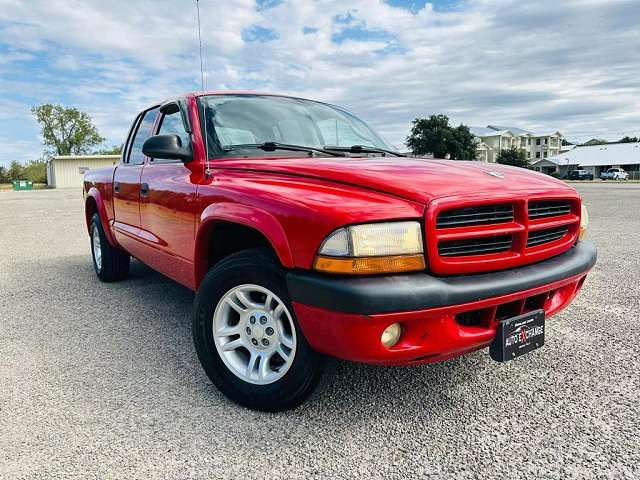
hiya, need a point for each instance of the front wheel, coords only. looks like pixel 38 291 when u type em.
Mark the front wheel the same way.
pixel 247 337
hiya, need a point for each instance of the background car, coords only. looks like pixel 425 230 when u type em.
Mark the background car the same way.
pixel 614 174
pixel 580 175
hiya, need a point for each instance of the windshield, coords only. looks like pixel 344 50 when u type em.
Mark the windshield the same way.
pixel 256 119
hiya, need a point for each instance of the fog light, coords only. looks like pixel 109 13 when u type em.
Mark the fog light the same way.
pixel 391 335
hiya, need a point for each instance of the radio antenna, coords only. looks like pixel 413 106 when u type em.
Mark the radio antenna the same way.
pixel 200 42
pixel 204 108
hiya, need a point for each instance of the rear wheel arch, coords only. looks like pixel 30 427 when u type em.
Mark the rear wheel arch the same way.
pixel 94 205
pixel 90 208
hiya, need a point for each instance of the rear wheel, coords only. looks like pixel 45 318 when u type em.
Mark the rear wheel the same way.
pixel 110 263
pixel 247 337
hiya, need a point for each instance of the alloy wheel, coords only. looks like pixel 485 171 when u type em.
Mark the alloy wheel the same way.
pixel 97 249
pixel 254 334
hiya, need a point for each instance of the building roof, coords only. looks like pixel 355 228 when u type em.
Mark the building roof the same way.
pixel 495 130
pixel 546 134
pixel 599 155
pixel 514 130
pixel 488 132
pixel 482 131
pixel 86 157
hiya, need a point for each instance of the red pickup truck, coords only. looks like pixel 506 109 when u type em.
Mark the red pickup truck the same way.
pixel 305 235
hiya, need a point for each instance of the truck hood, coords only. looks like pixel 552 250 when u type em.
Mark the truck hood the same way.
pixel 416 179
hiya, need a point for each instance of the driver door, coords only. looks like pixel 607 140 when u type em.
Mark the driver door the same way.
pixel 167 199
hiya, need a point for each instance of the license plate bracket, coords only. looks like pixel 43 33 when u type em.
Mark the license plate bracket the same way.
pixel 518 335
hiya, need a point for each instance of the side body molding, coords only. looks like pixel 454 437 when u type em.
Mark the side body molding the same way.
pixel 255 218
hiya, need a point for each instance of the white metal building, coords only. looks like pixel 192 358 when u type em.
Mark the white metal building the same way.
pixel 68 171
pixel 595 158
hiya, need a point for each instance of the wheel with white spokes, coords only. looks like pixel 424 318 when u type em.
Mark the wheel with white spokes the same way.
pixel 254 334
pixel 97 248
pixel 109 262
pixel 247 337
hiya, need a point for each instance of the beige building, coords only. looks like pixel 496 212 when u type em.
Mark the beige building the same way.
pixel 68 171
pixel 493 139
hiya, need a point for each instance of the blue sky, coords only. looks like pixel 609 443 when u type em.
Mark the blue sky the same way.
pixel 543 65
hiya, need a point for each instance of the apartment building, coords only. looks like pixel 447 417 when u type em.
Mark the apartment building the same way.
pixel 494 138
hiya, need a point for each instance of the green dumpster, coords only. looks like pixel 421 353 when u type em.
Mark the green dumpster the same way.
pixel 22 185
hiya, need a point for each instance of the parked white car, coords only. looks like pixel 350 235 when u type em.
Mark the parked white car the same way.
pixel 614 174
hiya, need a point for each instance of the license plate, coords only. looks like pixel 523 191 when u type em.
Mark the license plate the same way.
pixel 517 336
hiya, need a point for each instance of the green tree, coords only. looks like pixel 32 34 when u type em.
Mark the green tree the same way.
pixel 464 147
pixel 36 171
pixel 628 139
pixel 513 156
pixel 115 150
pixel 595 141
pixel 435 135
pixel 4 175
pixel 66 131
pixel 16 171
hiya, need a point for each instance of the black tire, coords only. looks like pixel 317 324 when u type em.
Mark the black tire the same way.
pixel 114 264
pixel 258 267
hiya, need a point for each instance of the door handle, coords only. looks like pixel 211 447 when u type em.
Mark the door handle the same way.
pixel 116 187
pixel 144 189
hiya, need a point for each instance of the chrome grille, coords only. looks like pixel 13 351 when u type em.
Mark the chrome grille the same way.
pixel 539 237
pixel 475 246
pixel 549 208
pixel 475 215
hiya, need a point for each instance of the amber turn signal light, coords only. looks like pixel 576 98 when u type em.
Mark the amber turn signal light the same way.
pixel 369 265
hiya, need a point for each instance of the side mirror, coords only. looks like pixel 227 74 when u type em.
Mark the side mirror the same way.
pixel 168 147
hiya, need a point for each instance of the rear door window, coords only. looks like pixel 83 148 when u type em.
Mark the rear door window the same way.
pixel 127 145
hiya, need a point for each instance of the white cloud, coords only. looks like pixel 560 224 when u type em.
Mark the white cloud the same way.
pixel 539 65
pixel 22 150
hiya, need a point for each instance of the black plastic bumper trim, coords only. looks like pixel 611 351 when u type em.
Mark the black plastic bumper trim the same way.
pixel 420 291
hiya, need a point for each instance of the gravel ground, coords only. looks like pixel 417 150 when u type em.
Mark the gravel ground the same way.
pixel 101 381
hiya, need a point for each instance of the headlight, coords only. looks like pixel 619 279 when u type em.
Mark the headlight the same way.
pixel 584 221
pixel 372 248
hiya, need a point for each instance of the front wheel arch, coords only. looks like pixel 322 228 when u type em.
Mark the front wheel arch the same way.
pixel 265 230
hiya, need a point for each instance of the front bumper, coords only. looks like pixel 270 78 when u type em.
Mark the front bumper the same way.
pixel 442 317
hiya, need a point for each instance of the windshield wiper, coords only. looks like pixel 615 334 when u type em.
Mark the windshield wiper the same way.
pixel 273 146
pixel 362 149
